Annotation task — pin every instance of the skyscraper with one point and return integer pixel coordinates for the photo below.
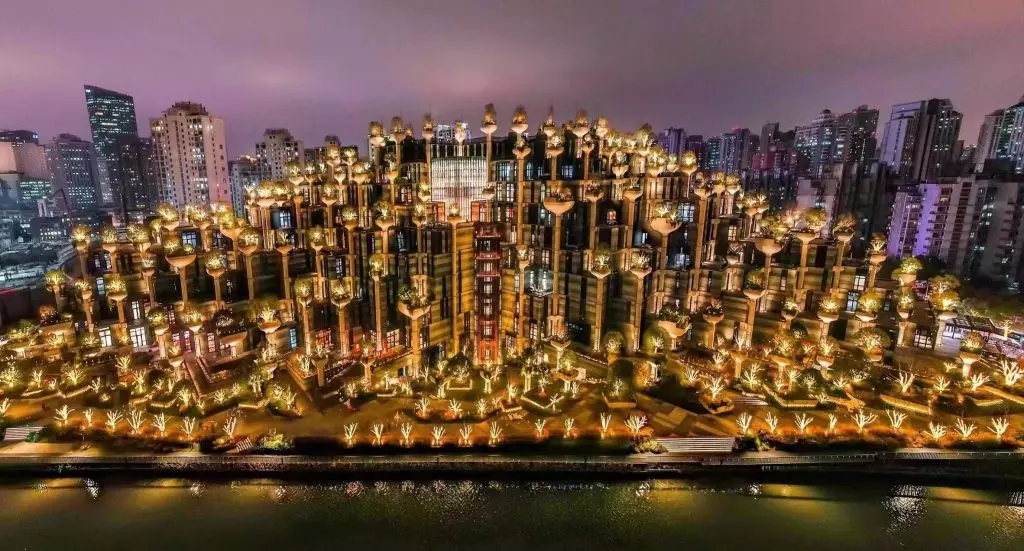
(277, 148)
(136, 175)
(735, 151)
(111, 117)
(987, 138)
(816, 143)
(190, 158)
(769, 133)
(18, 137)
(72, 164)
(672, 140)
(245, 174)
(855, 135)
(920, 137)
(712, 154)
(695, 143)
(29, 158)
(1009, 137)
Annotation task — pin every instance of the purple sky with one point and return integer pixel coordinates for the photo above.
(328, 67)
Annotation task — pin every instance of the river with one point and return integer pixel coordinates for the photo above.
(179, 514)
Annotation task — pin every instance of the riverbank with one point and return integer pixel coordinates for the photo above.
(906, 465)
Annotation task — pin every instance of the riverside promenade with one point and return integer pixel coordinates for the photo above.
(987, 465)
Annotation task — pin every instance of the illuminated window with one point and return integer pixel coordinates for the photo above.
(851, 300)
(860, 282)
(392, 338)
(686, 211)
(105, 337)
(139, 337)
(923, 339)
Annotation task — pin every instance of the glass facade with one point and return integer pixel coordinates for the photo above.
(112, 120)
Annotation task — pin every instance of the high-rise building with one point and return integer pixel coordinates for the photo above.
(245, 175)
(446, 132)
(8, 160)
(31, 161)
(987, 138)
(751, 144)
(866, 191)
(72, 165)
(111, 118)
(33, 190)
(712, 154)
(136, 176)
(816, 143)
(968, 153)
(19, 137)
(769, 133)
(971, 223)
(695, 143)
(736, 151)
(1009, 137)
(903, 221)
(951, 210)
(855, 135)
(672, 140)
(920, 137)
(190, 158)
(275, 150)
(28, 156)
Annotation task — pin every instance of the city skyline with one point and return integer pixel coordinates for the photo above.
(306, 86)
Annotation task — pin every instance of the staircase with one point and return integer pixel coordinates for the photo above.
(20, 433)
(697, 445)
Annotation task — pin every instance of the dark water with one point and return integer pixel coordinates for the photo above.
(451, 514)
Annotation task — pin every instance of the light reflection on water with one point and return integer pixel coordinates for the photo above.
(503, 514)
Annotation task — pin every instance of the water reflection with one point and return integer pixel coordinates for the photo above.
(503, 514)
(905, 506)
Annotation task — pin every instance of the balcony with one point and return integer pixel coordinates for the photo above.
(538, 292)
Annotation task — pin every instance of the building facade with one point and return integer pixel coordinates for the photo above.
(855, 135)
(190, 159)
(245, 176)
(136, 180)
(72, 164)
(112, 120)
(275, 151)
(673, 141)
(920, 138)
(1008, 141)
(816, 144)
(573, 243)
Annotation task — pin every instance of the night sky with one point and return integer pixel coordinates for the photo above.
(330, 66)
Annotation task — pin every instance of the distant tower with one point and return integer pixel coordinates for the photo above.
(277, 148)
(112, 121)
